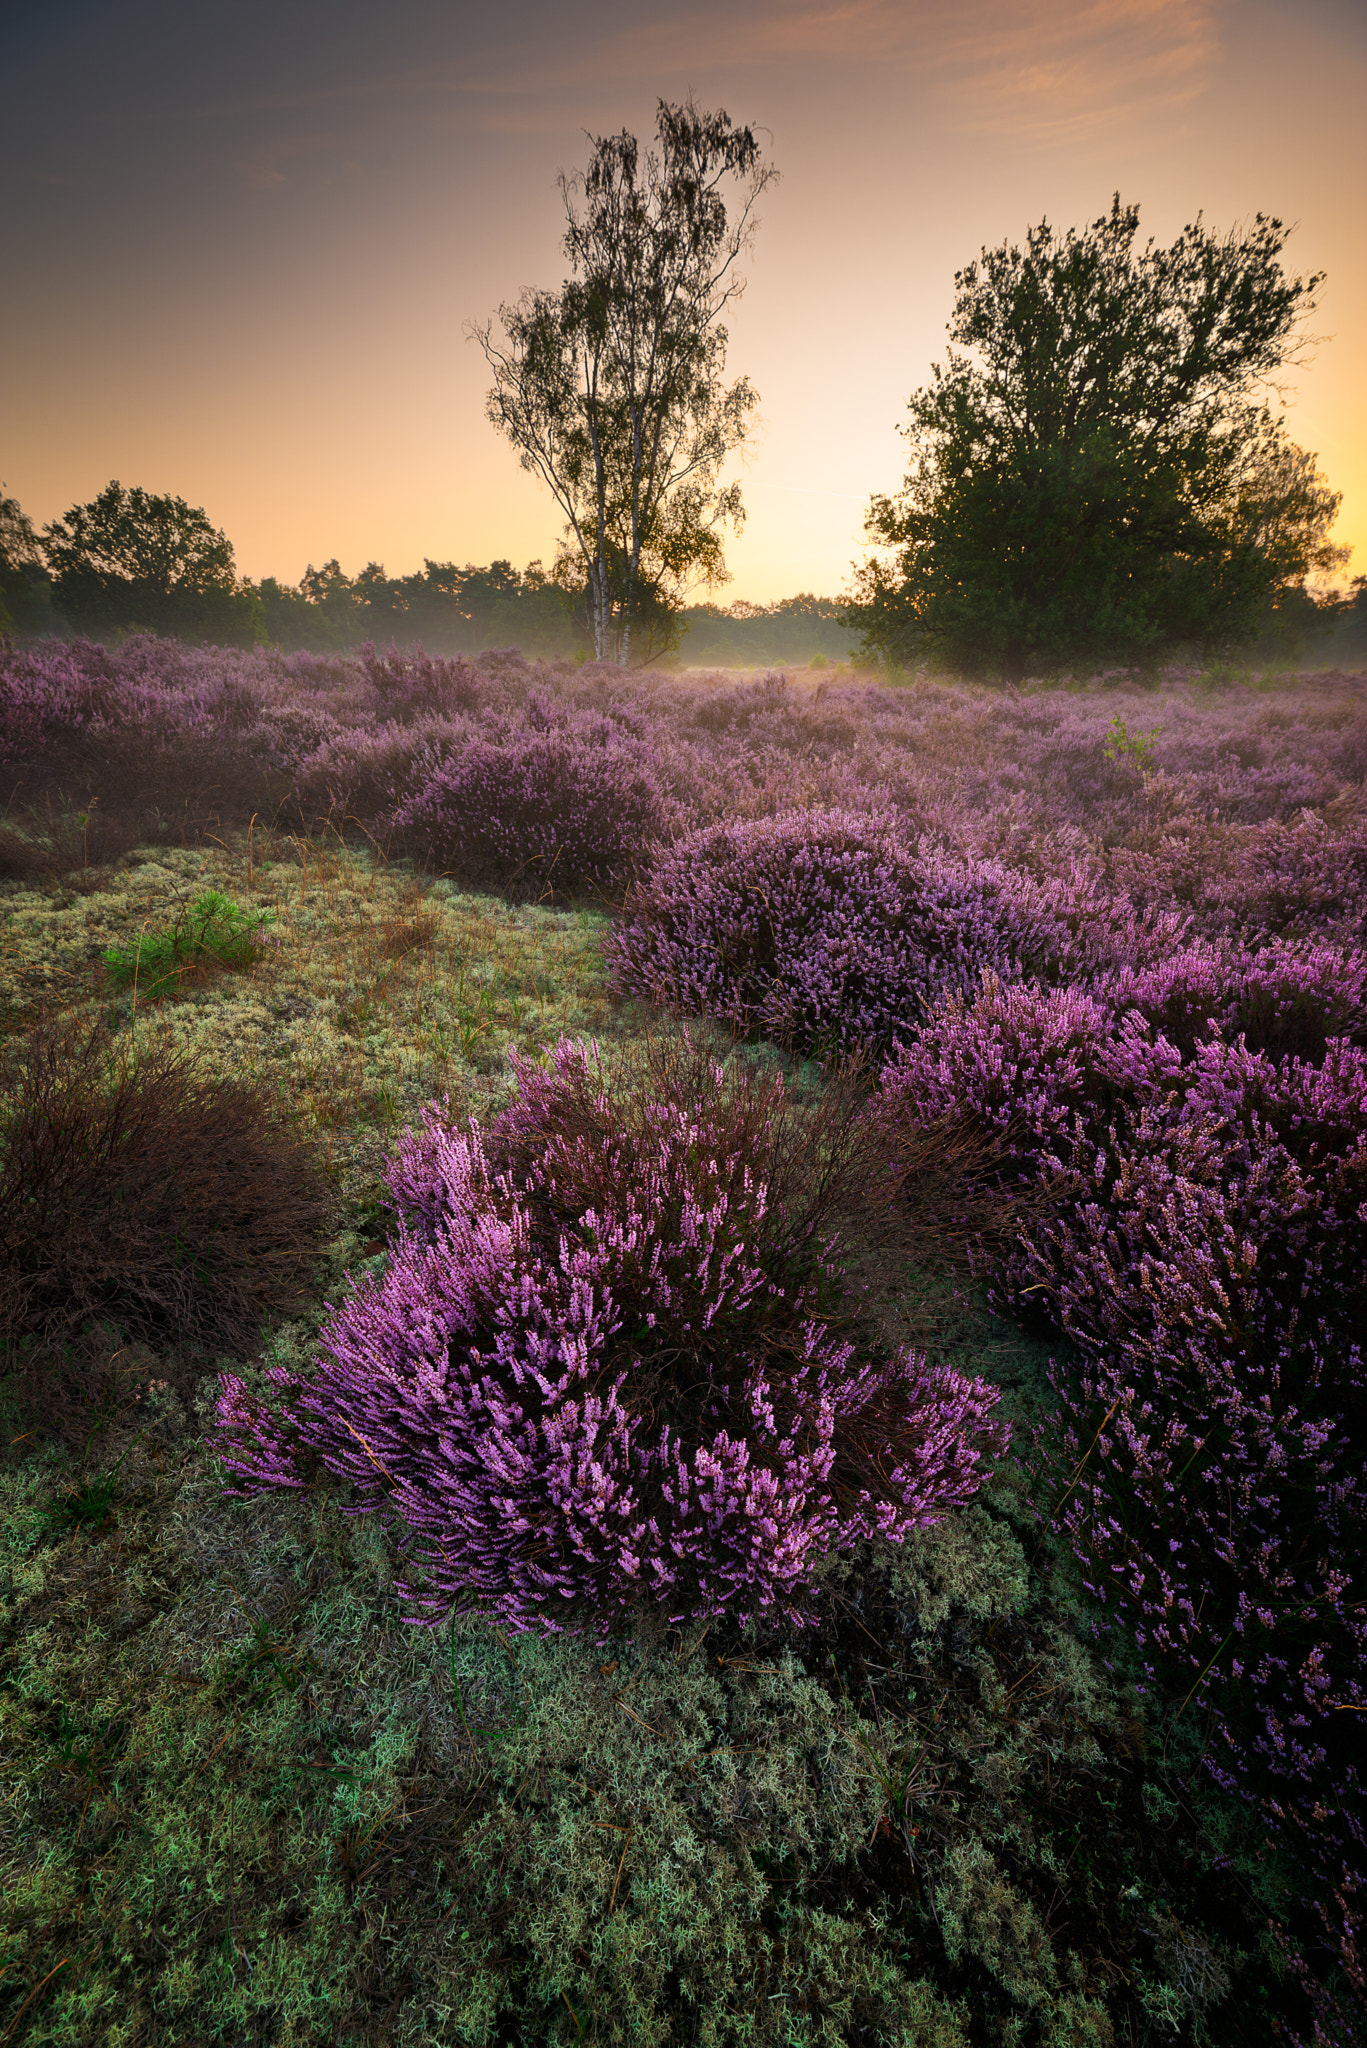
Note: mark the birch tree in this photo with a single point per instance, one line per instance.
(612, 388)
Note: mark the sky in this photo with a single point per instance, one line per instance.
(243, 246)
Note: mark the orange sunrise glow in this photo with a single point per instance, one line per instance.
(242, 247)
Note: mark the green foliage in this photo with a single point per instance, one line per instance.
(1092, 478)
(263, 1802)
(135, 562)
(1122, 745)
(212, 928)
(86, 1505)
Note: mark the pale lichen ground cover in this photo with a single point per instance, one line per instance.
(374, 990)
(244, 1802)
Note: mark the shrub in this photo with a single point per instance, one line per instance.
(1287, 997)
(138, 1193)
(409, 683)
(1211, 1273)
(366, 774)
(63, 840)
(1029, 1061)
(212, 928)
(1303, 878)
(559, 808)
(1019, 1060)
(607, 1361)
(823, 928)
(1208, 1259)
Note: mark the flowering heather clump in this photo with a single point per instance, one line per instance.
(564, 806)
(368, 773)
(1300, 878)
(1019, 1059)
(824, 928)
(606, 1361)
(409, 684)
(1208, 1257)
(1217, 1294)
(1287, 997)
(1035, 1060)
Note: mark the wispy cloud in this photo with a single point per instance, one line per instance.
(1049, 75)
(1041, 67)
(1027, 72)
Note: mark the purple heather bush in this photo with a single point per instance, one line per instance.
(368, 773)
(1036, 1060)
(606, 1362)
(410, 684)
(1239, 809)
(561, 806)
(1203, 1127)
(825, 928)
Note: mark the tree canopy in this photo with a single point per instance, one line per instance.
(25, 592)
(133, 560)
(611, 388)
(1096, 471)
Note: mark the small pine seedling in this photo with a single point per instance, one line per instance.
(212, 928)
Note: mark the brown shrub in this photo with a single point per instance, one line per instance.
(57, 839)
(84, 805)
(139, 1199)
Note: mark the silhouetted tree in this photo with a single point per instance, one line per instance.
(1093, 474)
(611, 388)
(131, 560)
(25, 589)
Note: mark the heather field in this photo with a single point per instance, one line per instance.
(682, 1355)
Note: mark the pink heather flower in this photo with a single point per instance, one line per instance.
(571, 1406)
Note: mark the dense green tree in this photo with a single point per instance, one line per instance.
(1095, 472)
(611, 388)
(133, 561)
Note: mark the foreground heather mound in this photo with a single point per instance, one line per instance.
(1203, 1129)
(617, 1369)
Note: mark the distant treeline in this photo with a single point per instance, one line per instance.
(132, 562)
(461, 610)
(450, 610)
